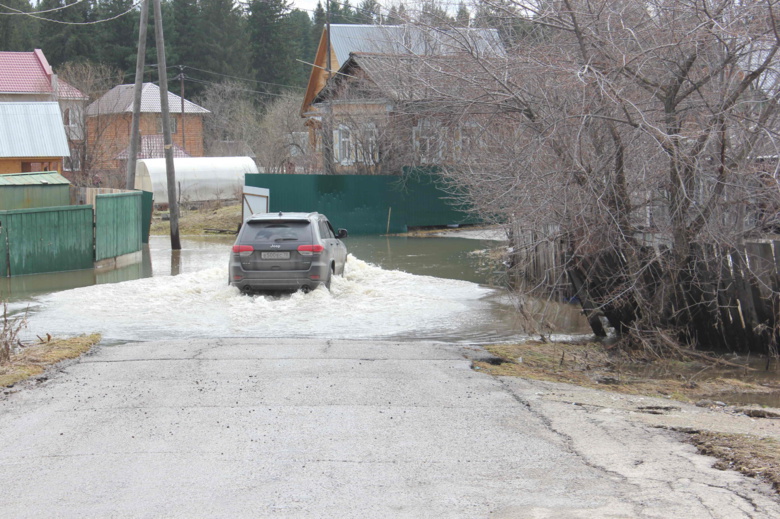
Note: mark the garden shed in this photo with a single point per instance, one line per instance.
(33, 190)
(198, 179)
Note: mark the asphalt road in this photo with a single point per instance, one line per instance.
(316, 428)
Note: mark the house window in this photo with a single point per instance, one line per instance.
(174, 126)
(343, 148)
(66, 117)
(367, 148)
(469, 139)
(72, 163)
(429, 137)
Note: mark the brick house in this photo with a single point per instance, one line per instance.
(109, 121)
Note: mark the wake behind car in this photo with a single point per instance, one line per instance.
(286, 252)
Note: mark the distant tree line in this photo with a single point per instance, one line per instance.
(266, 42)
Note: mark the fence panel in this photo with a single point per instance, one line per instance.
(47, 240)
(364, 204)
(118, 222)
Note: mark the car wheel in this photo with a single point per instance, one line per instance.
(330, 276)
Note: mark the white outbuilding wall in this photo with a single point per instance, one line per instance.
(197, 178)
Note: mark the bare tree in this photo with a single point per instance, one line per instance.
(642, 136)
(93, 80)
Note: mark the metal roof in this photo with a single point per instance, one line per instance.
(25, 72)
(32, 129)
(120, 100)
(37, 178)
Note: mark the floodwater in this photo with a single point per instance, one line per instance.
(394, 288)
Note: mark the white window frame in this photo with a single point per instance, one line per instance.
(174, 124)
(428, 137)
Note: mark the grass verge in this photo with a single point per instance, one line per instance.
(33, 360)
(204, 220)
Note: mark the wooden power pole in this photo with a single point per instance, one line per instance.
(139, 84)
(166, 124)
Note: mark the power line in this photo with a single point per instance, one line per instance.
(243, 78)
(94, 22)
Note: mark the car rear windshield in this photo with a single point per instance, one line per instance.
(277, 232)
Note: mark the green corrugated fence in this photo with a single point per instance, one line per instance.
(117, 224)
(365, 204)
(50, 239)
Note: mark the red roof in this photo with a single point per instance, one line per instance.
(25, 73)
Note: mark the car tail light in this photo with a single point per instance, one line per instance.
(308, 250)
(243, 248)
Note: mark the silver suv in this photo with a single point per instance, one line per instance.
(286, 251)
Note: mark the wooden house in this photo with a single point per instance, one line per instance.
(373, 94)
(109, 122)
(27, 78)
(32, 137)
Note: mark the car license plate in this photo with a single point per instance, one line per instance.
(276, 255)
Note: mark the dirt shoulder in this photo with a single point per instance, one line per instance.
(742, 437)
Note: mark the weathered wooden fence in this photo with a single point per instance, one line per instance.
(731, 294)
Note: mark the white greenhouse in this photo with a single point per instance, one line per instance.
(198, 179)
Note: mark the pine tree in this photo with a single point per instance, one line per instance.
(64, 42)
(368, 12)
(186, 40)
(298, 31)
(117, 39)
(317, 26)
(270, 51)
(17, 32)
(463, 17)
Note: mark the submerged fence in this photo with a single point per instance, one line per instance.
(56, 239)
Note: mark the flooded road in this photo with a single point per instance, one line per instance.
(393, 288)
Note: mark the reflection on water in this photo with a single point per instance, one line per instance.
(19, 288)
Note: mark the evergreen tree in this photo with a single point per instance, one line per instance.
(434, 15)
(317, 26)
(368, 12)
(224, 39)
(64, 42)
(298, 29)
(463, 17)
(17, 32)
(186, 39)
(117, 39)
(271, 53)
(397, 15)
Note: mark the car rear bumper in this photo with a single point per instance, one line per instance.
(247, 280)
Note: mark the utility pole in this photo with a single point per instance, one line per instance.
(181, 94)
(139, 83)
(327, 123)
(166, 124)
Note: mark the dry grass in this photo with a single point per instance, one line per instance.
(199, 221)
(596, 366)
(33, 360)
(750, 455)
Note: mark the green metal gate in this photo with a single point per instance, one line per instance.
(118, 221)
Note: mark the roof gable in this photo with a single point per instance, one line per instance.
(120, 100)
(25, 73)
(396, 40)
